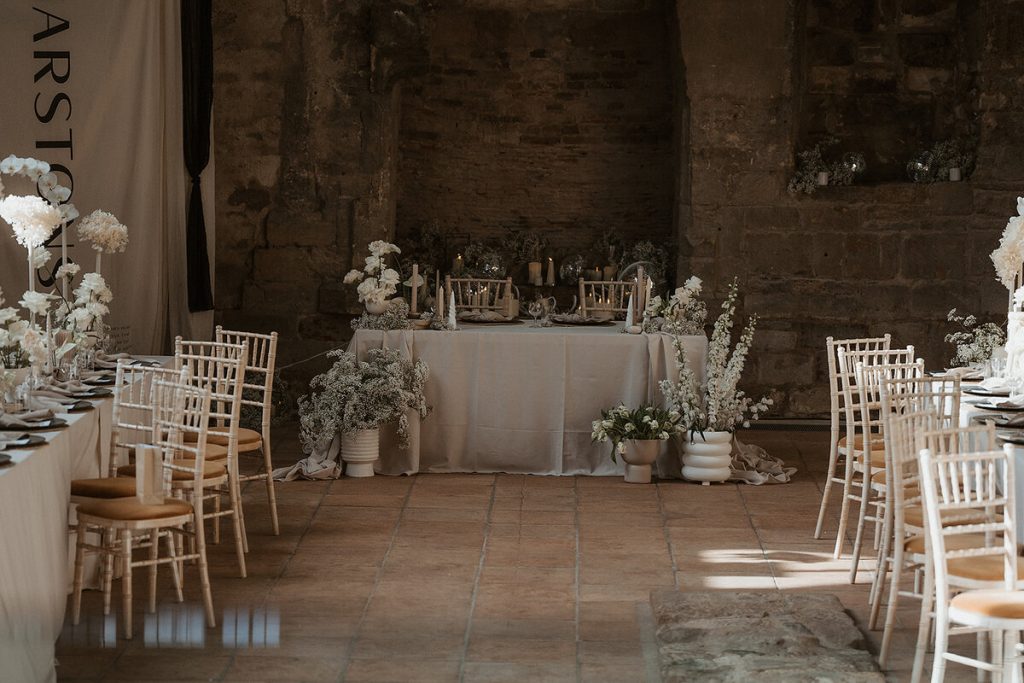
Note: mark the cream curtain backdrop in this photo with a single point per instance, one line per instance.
(115, 122)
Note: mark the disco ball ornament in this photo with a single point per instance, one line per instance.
(920, 168)
(571, 269)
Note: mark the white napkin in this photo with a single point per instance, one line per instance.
(1012, 401)
(55, 405)
(27, 419)
(485, 316)
(109, 362)
(995, 384)
(63, 389)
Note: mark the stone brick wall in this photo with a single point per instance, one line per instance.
(556, 118)
(321, 108)
(888, 79)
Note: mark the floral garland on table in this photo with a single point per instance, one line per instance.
(396, 317)
(354, 395)
(718, 404)
(974, 343)
(377, 282)
(620, 424)
(684, 313)
(1009, 255)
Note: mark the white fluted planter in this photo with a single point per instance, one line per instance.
(359, 451)
(376, 307)
(707, 457)
(639, 456)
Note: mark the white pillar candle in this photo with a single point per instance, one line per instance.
(551, 272)
(535, 273)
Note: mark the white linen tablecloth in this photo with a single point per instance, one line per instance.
(35, 562)
(514, 398)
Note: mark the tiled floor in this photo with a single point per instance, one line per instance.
(478, 578)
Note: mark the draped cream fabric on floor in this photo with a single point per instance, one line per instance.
(109, 111)
(512, 398)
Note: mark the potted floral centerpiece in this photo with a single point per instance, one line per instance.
(683, 313)
(635, 435)
(377, 282)
(712, 412)
(354, 398)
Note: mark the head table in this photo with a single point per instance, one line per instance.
(521, 399)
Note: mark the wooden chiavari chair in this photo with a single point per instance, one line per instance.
(220, 368)
(258, 392)
(611, 298)
(177, 409)
(837, 382)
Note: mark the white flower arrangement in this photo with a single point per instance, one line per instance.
(36, 303)
(620, 424)
(974, 342)
(11, 329)
(28, 167)
(717, 405)
(1009, 255)
(107, 234)
(377, 282)
(395, 317)
(32, 219)
(354, 395)
(83, 317)
(683, 313)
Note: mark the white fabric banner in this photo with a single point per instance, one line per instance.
(94, 88)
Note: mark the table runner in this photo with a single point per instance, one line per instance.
(514, 398)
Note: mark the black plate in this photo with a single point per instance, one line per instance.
(988, 405)
(79, 407)
(52, 423)
(33, 441)
(1017, 439)
(106, 380)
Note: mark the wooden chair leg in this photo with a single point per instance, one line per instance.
(882, 569)
(109, 542)
(236, 505)
(924, 627)
(216, 519)
(844, 508)
(833, 459)
(204, 574)
(865, 501)
(76, 609)
(271, 492)
(941, 641)
(175, 568)
(236, 524)
(126, 582)
(890, 608)
(154, 555)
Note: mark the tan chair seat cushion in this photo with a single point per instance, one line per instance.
(991, 603)
(877, 448)
(986, 568)
(104, 487)
(246, 437)
(914, 516)
(210, 470)
(212, 452)
(882, 477)
(916, 544)
(126, 509)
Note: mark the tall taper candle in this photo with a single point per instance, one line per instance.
(452, 322)
(415, 286)
(629, 311)
(64, 257)
(551, 272)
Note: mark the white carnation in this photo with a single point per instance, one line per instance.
(36, 302)
(353, 276)
(40, 257)
(32, 219)
(68, 270)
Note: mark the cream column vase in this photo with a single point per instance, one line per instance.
(1015, 345)
(707, 457)
(359, 450)
(639, 456)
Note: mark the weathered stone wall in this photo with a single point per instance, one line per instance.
(311, 128)
(556, 118)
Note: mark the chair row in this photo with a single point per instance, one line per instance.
(175, 445)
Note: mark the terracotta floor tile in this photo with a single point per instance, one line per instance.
(388, 670)
(284, 668)
(486, 672)
(521, 650)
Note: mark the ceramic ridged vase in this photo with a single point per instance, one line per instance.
(639, 456)
(707, 457)
(359, 451)
(376, 307)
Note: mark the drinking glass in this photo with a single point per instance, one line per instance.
(535, 309)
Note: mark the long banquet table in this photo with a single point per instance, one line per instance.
(34, 560)
(520, 399)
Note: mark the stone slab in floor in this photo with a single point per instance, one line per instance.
(758, 636)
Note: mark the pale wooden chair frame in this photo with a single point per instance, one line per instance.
(615, 292)
(497, 294)
(910, 406)
(979, 484)
(867, 410)
(836, 383)
(220, 367)
(858, 462)
(177, 408)
(261, 361)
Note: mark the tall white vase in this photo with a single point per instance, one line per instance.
(1015, 345)
(707, 457)
(359, 450)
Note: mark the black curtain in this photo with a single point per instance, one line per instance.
(197, 89)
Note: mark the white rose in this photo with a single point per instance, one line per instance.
(353, 276)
